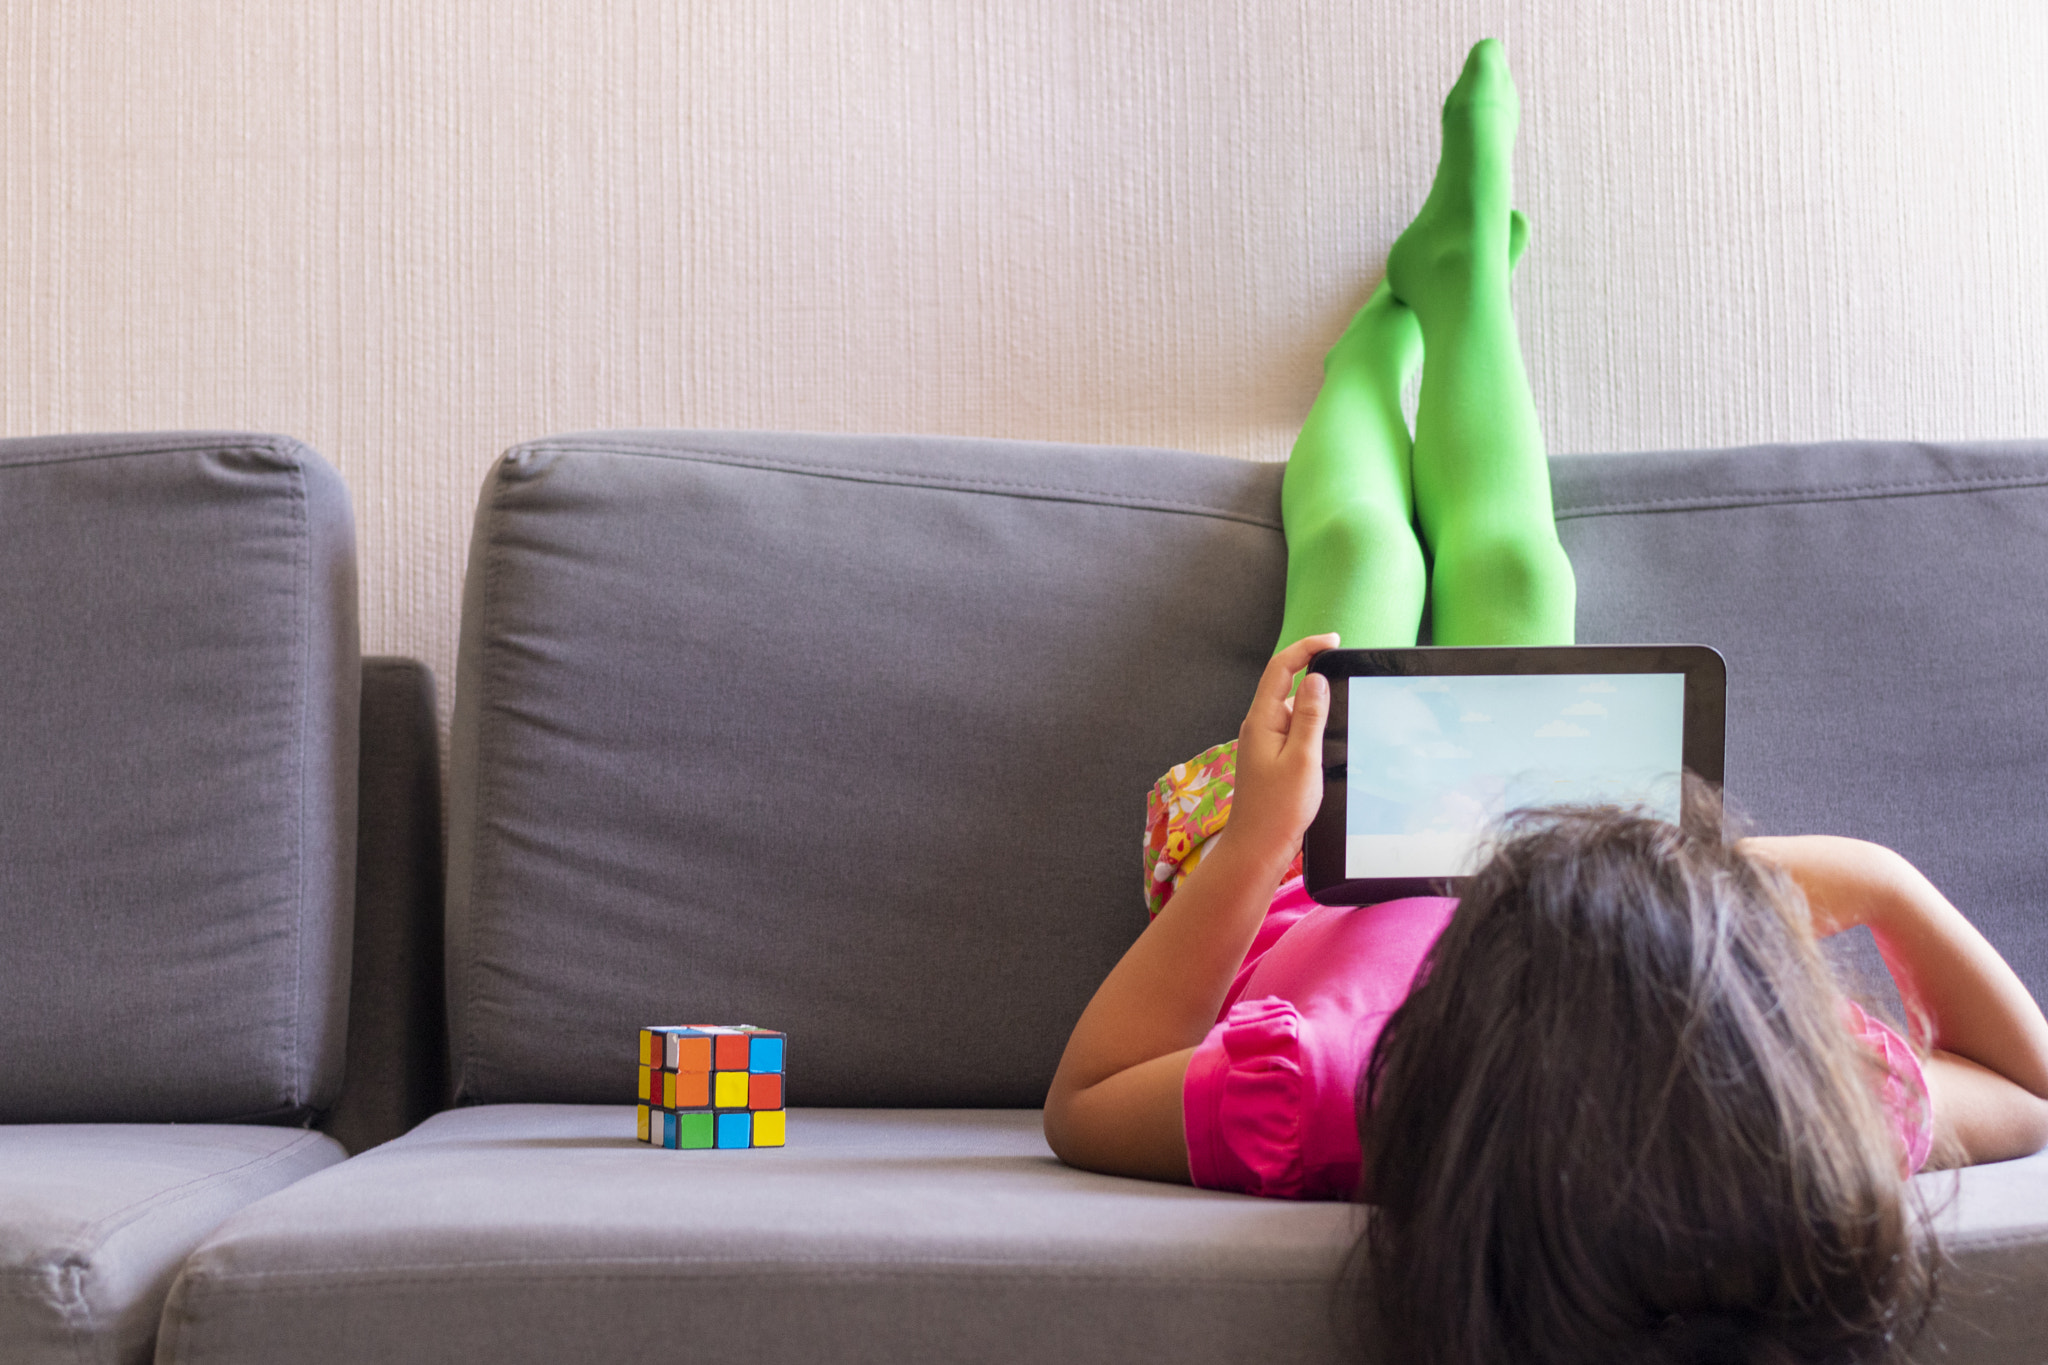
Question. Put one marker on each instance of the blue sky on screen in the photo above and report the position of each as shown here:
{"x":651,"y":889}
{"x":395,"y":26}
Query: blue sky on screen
{"x":1435,"y":755}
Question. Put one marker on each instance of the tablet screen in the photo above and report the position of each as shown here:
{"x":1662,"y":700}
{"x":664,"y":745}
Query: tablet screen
{"x":1435,"y":762}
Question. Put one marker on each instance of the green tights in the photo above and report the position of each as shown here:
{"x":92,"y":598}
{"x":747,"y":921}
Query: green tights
{"x":1473,"y":483}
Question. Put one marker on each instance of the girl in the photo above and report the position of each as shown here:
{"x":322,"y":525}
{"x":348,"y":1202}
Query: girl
{"x":1610,"y":1105}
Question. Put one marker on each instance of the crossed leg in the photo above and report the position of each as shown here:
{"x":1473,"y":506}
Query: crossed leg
{"x":1482,"y":480}
{"x":1474,"y":478}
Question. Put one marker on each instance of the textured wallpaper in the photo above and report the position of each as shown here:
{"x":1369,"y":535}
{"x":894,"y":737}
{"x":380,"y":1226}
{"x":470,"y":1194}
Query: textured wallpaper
{"x":412,"y":234}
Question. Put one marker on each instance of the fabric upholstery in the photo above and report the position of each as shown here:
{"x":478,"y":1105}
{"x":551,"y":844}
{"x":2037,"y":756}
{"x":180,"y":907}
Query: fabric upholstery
{"x":714,"y":691}
{"x":397,"y":1027}
{"x":843,"y":736}
{"x":178,"y":773}
{"x":98,"y":1218}
{"x":506,"y":1233}
{"x":1884,"y":612}
{"x":515,"y":1233}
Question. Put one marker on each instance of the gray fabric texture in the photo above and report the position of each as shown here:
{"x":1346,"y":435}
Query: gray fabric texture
{"x":397,"y":1028}
{"x":95,"y":1220}
{"x":709,"y":759}
{"x":542,"y":1233}
{"x":506,"y":1233}
{"x":847,"y":734}
{"x":177,"y":772}
{"x":1993,"y":1221}
{"x":1884,"y":612}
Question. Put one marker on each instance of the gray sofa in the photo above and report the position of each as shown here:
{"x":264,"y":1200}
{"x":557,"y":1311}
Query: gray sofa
{"x":848,"y":737}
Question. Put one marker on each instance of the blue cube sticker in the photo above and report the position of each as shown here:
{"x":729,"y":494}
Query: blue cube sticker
{"x":736,"y":1130}
{"x":765,"y":1055}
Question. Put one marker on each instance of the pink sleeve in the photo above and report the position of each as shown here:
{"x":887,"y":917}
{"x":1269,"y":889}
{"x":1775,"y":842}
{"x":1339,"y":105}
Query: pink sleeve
{"x":1904,"y":1089}
{"x":1242,"y":1101}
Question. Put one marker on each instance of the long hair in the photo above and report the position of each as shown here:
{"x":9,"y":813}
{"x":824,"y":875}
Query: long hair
{"x":1620,"y":1119}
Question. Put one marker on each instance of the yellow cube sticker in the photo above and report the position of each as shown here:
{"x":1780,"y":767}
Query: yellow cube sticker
{"x":768,"y":1128}
{"x":640,"y":1118}
{"x":729,"y":1090}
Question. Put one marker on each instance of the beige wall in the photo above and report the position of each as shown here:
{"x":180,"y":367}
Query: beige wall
{"x":412,"y":233}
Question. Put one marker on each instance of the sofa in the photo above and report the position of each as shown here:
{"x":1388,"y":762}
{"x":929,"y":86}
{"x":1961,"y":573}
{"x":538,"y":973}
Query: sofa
{"x":843,"y":736}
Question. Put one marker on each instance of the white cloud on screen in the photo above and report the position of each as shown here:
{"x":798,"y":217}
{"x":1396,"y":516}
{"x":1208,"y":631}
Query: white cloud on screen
{"x":1585,"y":708}
{"x":1563,"y":729}
{"x":1475,"y":718}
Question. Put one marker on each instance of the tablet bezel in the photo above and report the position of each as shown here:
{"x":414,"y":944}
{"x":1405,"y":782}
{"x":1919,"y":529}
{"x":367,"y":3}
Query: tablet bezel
{"x":1706,"y":689}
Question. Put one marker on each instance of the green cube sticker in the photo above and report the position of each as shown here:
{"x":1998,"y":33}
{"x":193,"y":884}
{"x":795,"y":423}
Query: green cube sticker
{"x":693,"y":1130}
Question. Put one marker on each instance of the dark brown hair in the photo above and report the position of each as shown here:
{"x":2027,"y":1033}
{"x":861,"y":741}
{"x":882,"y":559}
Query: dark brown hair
{"x":1620,"y":1118}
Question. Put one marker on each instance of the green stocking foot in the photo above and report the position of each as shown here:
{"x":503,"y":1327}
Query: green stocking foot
{"x":1466,"y":227}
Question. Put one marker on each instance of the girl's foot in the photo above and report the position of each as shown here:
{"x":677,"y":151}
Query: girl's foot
{"x":1384,"y":335}
{"x":1465,"y":228}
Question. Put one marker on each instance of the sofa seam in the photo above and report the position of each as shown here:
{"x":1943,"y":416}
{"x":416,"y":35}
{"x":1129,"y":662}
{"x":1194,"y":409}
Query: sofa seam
{"x":635,"y":1268}
{"x":904,"y":478}
{"x":1710,"y":502}
{"x":479,"y":804}
{"x":300,"y":1090}
{"x":96,"y":1234}
{"x":270,"y":445}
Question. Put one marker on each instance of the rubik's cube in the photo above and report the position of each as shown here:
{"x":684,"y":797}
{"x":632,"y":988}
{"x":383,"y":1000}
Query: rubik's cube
{"x":711,"y":1085}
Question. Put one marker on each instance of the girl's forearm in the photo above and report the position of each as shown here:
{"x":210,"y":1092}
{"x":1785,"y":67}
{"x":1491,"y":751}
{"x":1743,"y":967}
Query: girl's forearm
{"x":1163,"y":996}
{"x":1974,"y":1004}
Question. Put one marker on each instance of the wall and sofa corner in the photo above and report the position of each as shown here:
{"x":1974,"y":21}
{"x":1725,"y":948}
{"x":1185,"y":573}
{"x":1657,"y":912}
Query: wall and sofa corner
{"x":845,"y":736}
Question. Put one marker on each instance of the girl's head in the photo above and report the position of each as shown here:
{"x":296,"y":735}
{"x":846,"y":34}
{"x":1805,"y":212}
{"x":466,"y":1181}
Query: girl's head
{"x":1620,"y":1118}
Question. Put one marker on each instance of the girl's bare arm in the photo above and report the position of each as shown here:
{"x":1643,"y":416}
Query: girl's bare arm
{"x":1988,"y":1075}
{"x":1115,"y":1102}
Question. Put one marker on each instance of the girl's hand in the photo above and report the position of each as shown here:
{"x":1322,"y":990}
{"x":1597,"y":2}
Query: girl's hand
{"x":1280,"y":755}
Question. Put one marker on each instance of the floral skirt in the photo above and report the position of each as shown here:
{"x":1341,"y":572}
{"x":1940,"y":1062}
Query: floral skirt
{"x":1184,"y":811}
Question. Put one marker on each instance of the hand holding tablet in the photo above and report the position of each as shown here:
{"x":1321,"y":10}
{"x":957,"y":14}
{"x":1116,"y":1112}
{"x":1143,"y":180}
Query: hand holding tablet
{"x":1426,"y":749}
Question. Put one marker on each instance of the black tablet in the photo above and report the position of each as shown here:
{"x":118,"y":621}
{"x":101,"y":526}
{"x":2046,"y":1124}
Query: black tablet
{"x":1428,"y":748}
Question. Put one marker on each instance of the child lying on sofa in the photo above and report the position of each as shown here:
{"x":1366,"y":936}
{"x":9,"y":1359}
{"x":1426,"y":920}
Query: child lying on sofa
{"x":1611,"y":1103}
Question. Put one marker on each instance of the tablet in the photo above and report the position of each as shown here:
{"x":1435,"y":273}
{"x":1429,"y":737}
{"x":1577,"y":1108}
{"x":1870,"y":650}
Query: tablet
{"x":1426,"y":749}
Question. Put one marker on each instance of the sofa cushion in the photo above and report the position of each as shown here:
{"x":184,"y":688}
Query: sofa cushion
{"x":100,"y":1216}
{"x":177,"y":773}
{"x":847,"y":737}
{"x":534,"y":1232}
{"x":1884,"y":612}
{"x":502,"y":1234}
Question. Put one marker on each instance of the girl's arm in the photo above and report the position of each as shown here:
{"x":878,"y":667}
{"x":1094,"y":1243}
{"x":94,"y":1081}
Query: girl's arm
{"x":1115,"y":1102}
{"x":1988,"y":1075}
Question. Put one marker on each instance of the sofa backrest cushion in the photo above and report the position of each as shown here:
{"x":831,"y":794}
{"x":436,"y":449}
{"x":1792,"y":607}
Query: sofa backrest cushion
{"x":846,"y":737}
{"x":1884,"y":611}
{"x":177,"y":777}
{"x":850,"y":737}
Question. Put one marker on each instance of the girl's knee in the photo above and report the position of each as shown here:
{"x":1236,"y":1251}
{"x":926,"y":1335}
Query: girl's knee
{"x":1503,"y":589}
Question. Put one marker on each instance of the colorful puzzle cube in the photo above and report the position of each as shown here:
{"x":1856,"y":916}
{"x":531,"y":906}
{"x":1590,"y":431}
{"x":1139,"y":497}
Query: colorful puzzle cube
{"x":711,"y":1085}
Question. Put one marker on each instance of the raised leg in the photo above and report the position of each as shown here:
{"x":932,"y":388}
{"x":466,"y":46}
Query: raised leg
{"x":1481,"y":478}
{"x":1353,"y":563}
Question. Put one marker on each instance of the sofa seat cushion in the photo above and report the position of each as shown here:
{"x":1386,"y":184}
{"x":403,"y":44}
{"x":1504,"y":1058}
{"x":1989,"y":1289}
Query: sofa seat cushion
{"x":1993,"y":1223}
{"x":535,"y":1232}
{"x":98,"y":1217}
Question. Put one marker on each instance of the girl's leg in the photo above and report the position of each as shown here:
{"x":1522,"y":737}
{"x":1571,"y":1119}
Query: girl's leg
{"x":1481,"y":478}
{"x":1353,"y":564}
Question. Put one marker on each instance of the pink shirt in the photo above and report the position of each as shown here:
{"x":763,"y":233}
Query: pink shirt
{"x":1270,"y":1101}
